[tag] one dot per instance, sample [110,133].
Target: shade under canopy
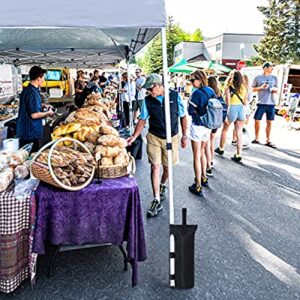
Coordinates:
[95,33]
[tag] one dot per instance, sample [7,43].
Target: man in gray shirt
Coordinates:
[266,86]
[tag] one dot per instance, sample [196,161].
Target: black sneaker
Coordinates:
[234,143]
[219,151]
[209,173]
[211,165]
[154,208]
[197,190]
[236,158]
[204,181]
[244,130]
[163,192]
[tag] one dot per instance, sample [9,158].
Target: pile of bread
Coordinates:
[13,165]
[72,167]
[84,122]
[110,148]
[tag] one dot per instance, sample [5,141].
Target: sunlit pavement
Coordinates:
[247,242]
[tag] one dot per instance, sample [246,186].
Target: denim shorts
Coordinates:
[236,113]
[264,108]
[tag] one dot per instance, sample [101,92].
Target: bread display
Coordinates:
[72,167]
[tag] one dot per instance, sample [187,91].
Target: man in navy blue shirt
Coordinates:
[30,126]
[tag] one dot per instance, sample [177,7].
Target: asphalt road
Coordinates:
[247,242]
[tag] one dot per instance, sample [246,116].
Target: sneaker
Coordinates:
[234,143]
[162,191]
[211,165]
[236,158]
[244,130]
[197,190]
[154,208]
[204,181]
[219,151]
[209,173]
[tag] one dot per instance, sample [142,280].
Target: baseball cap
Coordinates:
[267,65]
[151,80]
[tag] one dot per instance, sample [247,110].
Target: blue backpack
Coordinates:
[213,118]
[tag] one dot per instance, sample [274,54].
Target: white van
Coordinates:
[10,82]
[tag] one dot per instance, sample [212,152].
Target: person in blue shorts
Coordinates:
[266,85]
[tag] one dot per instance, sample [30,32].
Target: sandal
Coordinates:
[271,145]
[255,142]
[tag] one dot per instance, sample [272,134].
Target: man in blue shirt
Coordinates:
[266,85]
[153,108]
[30,127]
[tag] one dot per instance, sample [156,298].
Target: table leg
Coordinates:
[125,257]
[54,249]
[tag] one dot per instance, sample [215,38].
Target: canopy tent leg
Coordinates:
[130,100]
[169,150]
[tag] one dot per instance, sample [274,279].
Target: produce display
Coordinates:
[13,165]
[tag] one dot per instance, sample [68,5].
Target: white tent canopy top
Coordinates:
[95,33]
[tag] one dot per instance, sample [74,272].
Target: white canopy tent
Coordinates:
[85,34]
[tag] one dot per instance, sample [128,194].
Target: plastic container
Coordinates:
[11,145]
[3,136]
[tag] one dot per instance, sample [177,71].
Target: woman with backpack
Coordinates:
[236,99]
[199,134]
[210,148]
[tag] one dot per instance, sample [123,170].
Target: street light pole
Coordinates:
[242,47]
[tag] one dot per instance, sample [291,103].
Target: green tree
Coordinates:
[152,60]
[281,41]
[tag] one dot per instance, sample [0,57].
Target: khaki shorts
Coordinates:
[157,152]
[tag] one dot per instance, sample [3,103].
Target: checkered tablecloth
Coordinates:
[15,243]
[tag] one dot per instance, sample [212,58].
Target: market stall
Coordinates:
[48,34]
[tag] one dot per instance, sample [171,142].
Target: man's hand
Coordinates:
[274,90]
[184,141]
[50,113]
[130,140]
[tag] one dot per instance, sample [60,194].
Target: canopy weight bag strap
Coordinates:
[184,253]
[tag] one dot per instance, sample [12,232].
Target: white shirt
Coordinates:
[125,96]
[142,92]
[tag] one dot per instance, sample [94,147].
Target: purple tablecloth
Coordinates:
[109,212]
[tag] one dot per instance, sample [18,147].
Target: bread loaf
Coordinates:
[105,129]
[121,159]
[6,178]
[109,140]
[108,151]
[107,161]
[122,143]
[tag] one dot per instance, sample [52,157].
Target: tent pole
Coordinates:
[169,148]
[130,101]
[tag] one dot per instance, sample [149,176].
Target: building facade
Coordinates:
[190,51]
[227,49]
[230,48]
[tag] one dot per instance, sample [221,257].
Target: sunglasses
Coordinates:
[193,80]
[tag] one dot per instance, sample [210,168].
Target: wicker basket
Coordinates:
[46,174]
[117,170]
